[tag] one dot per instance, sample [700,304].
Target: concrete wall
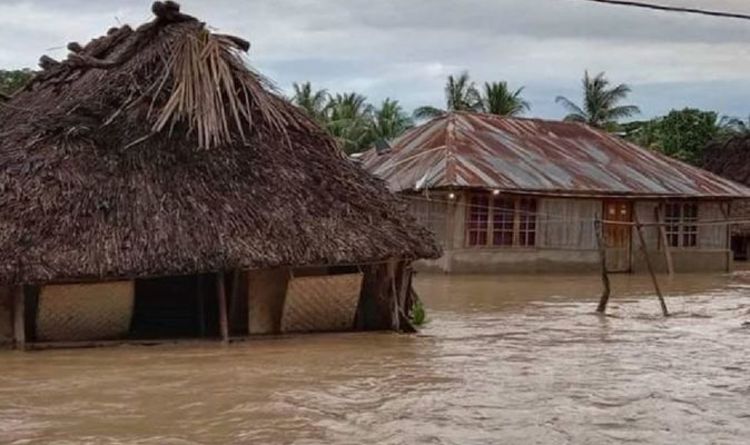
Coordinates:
[566,241]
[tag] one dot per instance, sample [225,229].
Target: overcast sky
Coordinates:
[405,48]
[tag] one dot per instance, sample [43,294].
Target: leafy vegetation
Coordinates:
[12,80]
[601,103]
[312,101]
[462,94]
[418,314]
[682,134]
[499,99]
[350,118]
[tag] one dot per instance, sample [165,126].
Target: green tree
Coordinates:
[499,99]
[461,94]
[390,121]
[349,120]
[11,81]
[681,134]
[314,102]
[601,103]
[685,133]
[732,126]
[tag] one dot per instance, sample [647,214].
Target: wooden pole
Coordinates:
[665,243]
[234,300]
[19,318]
[201,305]
[646,257]
[222,298]
[603,260]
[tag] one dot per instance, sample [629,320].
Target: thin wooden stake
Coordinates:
[222,298]
[647,258]
[605,275]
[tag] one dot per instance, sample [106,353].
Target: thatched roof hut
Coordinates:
[156,154]
[156,151]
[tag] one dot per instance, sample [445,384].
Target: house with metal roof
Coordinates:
[511,194]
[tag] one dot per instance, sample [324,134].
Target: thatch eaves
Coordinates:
[156,151]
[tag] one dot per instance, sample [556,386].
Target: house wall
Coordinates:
[713,253]
[566,240]
[266,292]
[6,316]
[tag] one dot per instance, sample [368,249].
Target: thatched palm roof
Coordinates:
[156,151]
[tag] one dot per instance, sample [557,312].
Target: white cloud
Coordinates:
[405,48]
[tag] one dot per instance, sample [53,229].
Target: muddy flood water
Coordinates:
[503,360]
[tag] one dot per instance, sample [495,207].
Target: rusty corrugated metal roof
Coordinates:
[536,156]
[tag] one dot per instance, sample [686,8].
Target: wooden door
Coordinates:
[618,237]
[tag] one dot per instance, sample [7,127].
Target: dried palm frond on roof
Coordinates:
[156,151]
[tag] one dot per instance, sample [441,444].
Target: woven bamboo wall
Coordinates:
[321,303]
[6,316]
[266,290]
[79,312]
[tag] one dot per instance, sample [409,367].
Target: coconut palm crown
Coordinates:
[461,94]
[600,107]
[500,100]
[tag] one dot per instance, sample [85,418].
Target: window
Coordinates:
[681,219]
[503,221]
[500,221]
[479,208]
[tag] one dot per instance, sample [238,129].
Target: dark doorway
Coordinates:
[175,307]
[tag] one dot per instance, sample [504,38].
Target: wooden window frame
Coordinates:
[525,224]
[681,227]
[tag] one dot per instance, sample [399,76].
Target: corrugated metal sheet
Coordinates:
[536,156]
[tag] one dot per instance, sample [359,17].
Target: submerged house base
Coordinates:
[557,234]
[234,305]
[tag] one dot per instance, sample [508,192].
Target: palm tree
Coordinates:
[313,102]
[461,94]
[499,99]
[350,121]
[390,120]
[733,126]
[600,103]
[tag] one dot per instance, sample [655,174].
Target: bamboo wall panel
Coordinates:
[79,312]
[432,214]
[646,213]
[568,223]
[321,303]
[713,236]
[266,290]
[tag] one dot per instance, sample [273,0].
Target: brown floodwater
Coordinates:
[503,360]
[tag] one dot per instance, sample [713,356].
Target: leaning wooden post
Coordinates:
[646,257]
[603,260]
[222,298]
[19,318]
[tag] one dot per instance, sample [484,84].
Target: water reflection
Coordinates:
[519,359]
